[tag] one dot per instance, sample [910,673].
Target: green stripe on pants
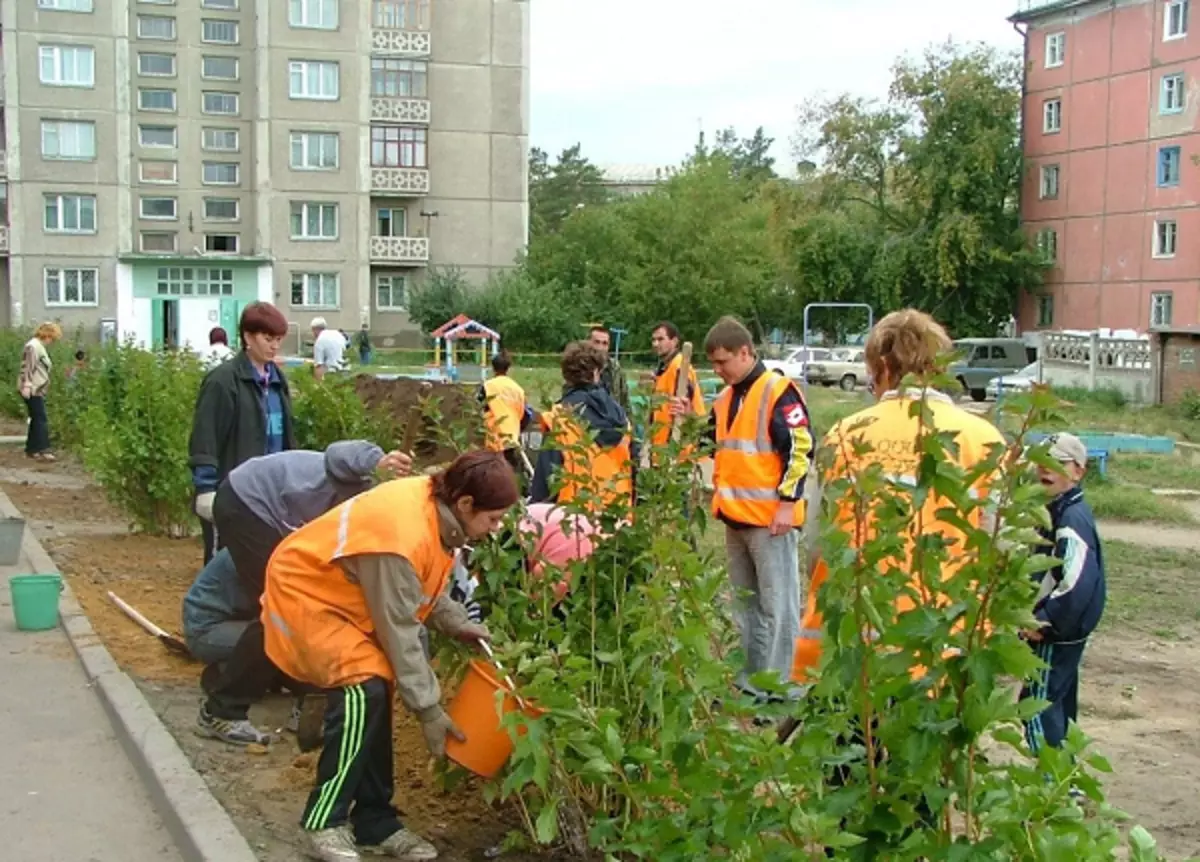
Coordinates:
[353,725]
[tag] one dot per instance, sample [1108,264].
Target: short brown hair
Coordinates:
[218,335]
[49,331]
[730,334]
[483,476]
[905,342]
[264,318]
[580,362]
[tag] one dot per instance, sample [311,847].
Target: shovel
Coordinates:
[508,680]
[173,644]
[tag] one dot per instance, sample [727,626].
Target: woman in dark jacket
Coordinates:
[244,410]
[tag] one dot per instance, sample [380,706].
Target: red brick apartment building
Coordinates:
[1112,190]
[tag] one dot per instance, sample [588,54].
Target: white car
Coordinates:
[794,362]
[1022,381]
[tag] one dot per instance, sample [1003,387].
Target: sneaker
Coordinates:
[293,722]
[233,731]
[332,845]
[405,845]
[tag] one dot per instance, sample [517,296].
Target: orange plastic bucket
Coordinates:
[473,709]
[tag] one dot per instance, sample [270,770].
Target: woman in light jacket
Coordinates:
[33,384]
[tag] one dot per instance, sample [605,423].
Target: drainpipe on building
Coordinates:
[1024,34]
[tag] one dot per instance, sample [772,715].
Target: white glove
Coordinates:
[204,505]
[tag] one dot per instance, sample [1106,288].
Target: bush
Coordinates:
[330,410]
[1189,405]
[1109,397]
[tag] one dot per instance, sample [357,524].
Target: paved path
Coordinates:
[1151,535]
[69,793]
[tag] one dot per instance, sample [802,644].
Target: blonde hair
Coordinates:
[905,342]
[48,332]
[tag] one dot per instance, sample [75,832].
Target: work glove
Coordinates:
[472,633]
[204,505]
[436,726]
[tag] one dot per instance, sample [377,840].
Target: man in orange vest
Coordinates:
[506,411]
[764,450]
[665,340]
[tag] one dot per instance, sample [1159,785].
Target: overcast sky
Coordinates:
[634,80]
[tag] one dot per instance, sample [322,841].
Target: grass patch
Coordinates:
[1150,589]
[1118,502]
[1155,471]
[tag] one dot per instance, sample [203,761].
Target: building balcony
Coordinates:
[3,164]
[399,182]
[400,249]
[400,27]
[3,239]
[409,112]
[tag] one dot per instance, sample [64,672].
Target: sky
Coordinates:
[634,81]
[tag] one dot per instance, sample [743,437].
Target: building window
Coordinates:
[1160,309]
[1168,166]
[156,27]
[70,286]
[156,65]
[221,209]
[314,220]
[1175,19]
[391,292]
[391,221]
[315,289]
[1052,116]
[66,5]
[219,32]
[1045,311]
[156,100]
[220,173]
[219,68]
[1172,96]
[1056,49]
[220,103]
[1166,236]
[70,213]
[222,243]
[164,173]
[220,140]
[314,151]
[158,2]
[159,208]
[67,65]
[230,5]
[312,79]
[194,281]
[1049,185]
[158,136]
[1047,245]
[159,241]
[400,14]
[398,147]
[317,14]
[399,79]
[68,139]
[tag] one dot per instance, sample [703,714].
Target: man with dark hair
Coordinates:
[665,340]
[612,378]
[505,411]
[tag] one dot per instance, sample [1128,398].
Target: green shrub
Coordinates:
[330,410]
[1104,397]
[1189,405]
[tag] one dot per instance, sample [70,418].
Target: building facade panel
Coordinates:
[1123,247]
[1084,186]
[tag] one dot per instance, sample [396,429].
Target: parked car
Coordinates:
[793,363]
[986,359]
[1022,381]
[846,367]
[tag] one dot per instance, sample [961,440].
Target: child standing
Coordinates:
[1070,601]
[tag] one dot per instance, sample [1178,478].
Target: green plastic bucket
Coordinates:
[35,601]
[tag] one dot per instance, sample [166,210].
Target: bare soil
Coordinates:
[397,397]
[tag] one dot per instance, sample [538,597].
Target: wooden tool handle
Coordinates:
[681,385]
[134,615]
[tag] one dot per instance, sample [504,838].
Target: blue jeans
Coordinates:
[216,610]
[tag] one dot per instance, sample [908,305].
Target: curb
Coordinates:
[201,828]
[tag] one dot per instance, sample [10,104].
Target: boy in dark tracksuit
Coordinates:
[1071,598]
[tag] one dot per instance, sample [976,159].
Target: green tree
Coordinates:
[557,190]
[750,158]
[443,295]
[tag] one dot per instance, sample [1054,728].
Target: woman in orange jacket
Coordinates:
[346,597]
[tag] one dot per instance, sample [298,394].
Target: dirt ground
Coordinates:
[397,397]
[1141,682]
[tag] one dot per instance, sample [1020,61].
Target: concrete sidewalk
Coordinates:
[70,793]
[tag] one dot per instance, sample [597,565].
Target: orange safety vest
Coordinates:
[505,409]
[665,385]
[747,471]
[891,433]
[605,473]
[316,623]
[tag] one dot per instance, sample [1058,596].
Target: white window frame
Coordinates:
[174,235]
[303,139]
[58,127]
[302,209]
[224,6]
[306,289]
[174,216]
[60,204]
[237,243]
[208,40]
[57,56]
[1172,94]
[66,5]
[1051,177]
[146,19]
[174,100]
[59,273]
[224,95]
[204,73]
[1056,49]
[143,55]
[1166,232]
[1052,108]
[1047,244]
[1175,19]
[174,181]
[391,278]
[237,170]
[142,141]
[306,80]
[206,144]
[313,14]
[1156,305]
[237,207]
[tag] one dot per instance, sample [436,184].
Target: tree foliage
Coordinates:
[557,189]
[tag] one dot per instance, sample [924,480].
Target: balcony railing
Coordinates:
[403,111]
[3,239]
[399,182]
[400,27]
[400,249]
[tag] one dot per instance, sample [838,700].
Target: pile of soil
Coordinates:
[452,402]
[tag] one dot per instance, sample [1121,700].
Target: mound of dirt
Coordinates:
[451,403]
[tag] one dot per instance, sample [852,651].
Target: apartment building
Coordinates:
[169,161]
[1112,94]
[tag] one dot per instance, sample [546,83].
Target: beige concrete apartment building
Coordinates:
[166,162]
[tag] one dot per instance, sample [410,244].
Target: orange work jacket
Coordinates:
[604,472]
[665,386]
[748,470]
[505,409]
[316,623]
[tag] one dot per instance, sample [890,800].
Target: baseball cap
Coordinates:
[1067,449]
[318,323]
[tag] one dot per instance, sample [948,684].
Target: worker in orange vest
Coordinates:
[665,341]
[764,450]
[346,597]
[506,411]
[587,455]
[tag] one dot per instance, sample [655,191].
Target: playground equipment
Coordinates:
[453,331]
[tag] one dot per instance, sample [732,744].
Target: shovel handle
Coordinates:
[508,680]
[134,615]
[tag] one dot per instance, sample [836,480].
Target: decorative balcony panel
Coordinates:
[400,249]
[403,43]
[405,111]
[3,239]
[399,182]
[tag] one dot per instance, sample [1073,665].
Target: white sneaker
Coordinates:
[332,845]
[404,845]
